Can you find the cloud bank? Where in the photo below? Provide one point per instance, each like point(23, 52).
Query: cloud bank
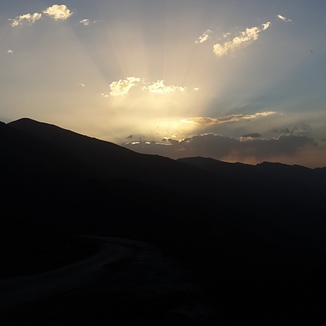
point(252, 147)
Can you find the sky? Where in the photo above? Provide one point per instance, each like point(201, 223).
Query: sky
point(235, 80)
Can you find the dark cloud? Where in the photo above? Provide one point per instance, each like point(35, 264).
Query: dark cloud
point(299, 129)
point(252, 135)
point(173, 141)
point(286, 131)
point(221, 147)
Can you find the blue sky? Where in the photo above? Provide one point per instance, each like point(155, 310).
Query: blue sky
point(234, 80)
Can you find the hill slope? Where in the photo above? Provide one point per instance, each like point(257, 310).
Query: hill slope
point(86, 185)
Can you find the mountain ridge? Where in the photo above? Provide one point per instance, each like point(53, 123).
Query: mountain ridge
point(90, 175)
point(240, 228)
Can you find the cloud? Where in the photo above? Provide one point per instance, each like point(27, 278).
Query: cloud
point(229, 118)
point(297, 130)
point(286, 131)
point(266, 25)
point(29, 18)
point(252, 135)
point(204, 37)
point(123, 86)
point(160, 88)
point(244, 39)
point(85, 22)
point(227, 148)
point(283, 18)
point(58, 12)
point(10, 51)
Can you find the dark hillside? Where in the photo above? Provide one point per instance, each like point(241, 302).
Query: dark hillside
point(242, 229)
point(107, 160)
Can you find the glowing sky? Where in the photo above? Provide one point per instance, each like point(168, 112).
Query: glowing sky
point(237, 80)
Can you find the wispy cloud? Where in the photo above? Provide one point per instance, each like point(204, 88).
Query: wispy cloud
point(10, 51)
point(204, 37)
point(244, 39)
point(229, 118)
point(58, 12)
point(284, 18)
point(88, 22)
point(85, 22)
point(28, 18)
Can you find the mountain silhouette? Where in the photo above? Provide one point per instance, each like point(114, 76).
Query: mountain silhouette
point(85, 174)
point(236, 225)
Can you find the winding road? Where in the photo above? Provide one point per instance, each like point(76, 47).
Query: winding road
point(122, 268)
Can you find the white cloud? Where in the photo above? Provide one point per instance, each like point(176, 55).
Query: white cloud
point(204, 37)
point(10, 51)
point(244, 39)
point(123, 86)
point(160, 88)
point(283, 18)
point(266, 25)
point(85, 22)
point(29, 18)
point(58, 12)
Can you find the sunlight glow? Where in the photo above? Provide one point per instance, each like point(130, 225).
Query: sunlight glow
point(162, 71)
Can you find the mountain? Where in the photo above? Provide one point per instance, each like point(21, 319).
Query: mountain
point(241, 228)
point(106, 160)
point(284, 203)
point(68, 175)
point(84, 185)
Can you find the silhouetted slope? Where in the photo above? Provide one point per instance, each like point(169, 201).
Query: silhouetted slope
point(132, 194)
point(244, 229)
point(284, 205)
point(107, 160)
point(53, 181)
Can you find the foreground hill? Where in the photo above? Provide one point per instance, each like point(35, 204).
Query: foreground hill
point(86, 185)
point(242, 228)
point(109, 161)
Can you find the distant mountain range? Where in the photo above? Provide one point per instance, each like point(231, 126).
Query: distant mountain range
point(78, 184)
